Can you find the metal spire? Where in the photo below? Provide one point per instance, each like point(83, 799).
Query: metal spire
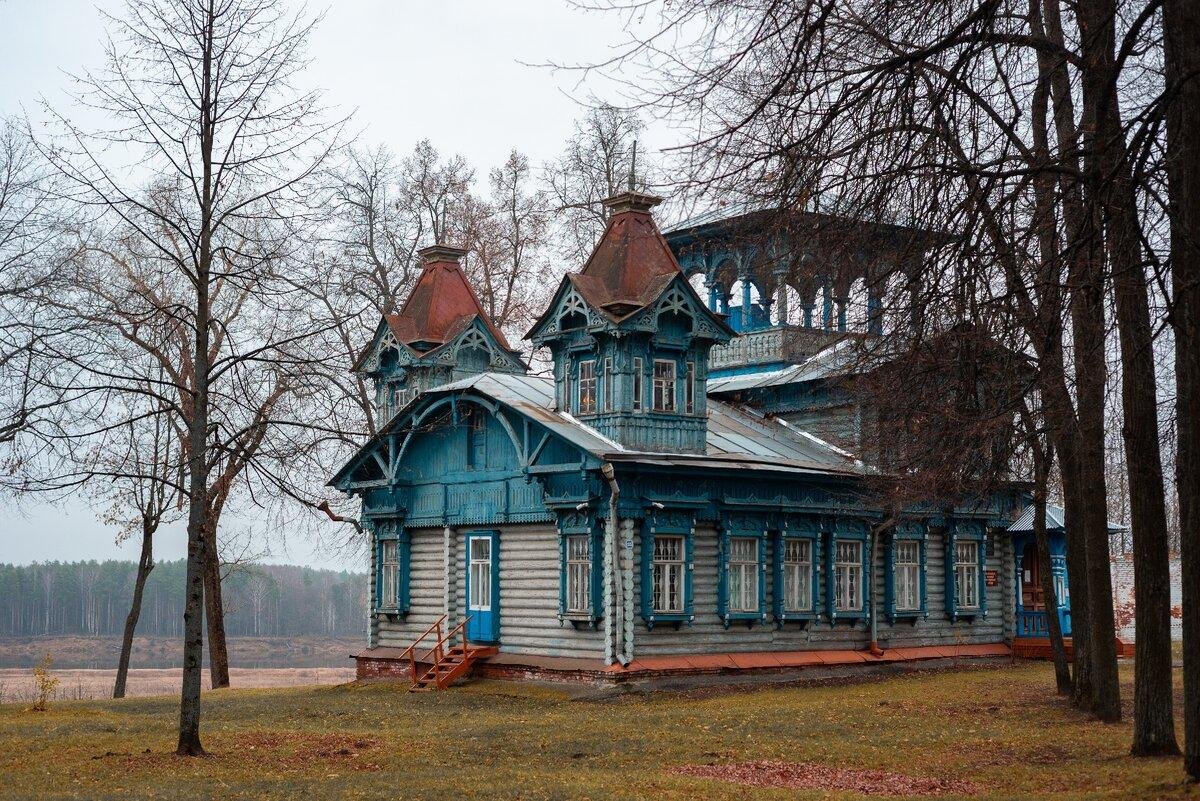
point(632, 166)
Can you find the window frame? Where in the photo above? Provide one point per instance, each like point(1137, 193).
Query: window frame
point(802, 531)
point(609, 404)
point(847, 530)
point(639, 367)
point(391, 532)
point(572, 526)
point(905, 533)
point(666, 384)
point(590, 382)
point(689, 388)
point(748, 530)
point(667, 524)
point(958, 531)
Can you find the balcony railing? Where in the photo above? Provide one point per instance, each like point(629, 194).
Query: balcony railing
point(781, 344)
point(1033, 623)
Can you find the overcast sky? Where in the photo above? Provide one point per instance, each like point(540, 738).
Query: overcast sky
point(449, 71)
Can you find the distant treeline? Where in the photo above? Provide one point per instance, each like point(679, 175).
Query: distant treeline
point(92, 598)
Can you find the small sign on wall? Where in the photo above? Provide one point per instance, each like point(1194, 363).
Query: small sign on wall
point(992, 578)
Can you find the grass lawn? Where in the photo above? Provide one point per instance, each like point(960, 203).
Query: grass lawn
point(1000, 728)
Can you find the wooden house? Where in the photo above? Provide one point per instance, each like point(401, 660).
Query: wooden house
point(639, 511)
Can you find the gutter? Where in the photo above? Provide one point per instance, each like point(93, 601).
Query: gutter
point(615, 581)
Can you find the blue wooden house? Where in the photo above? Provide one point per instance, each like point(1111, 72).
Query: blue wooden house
point(668, 498)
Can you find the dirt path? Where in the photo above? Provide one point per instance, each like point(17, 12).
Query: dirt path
point(16, 684)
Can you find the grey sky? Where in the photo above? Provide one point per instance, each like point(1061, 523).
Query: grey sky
point(408, 69)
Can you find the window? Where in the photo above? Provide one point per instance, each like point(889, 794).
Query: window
point(566, 397)
point(579, 575)
point(797, 575)
point(608, 385)
point(481, 574)
point(690, 389)
point(742, 574)
point(848, 576)
point(587, 387)
point(476, 439)
point(667, 575)
point(907, 575)
point(966, 574)
point(637, 385)
point(664, 385)
point(389, 574)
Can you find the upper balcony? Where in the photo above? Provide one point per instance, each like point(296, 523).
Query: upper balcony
point(778, 345)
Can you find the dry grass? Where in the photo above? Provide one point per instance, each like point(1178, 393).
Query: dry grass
point(995, 729)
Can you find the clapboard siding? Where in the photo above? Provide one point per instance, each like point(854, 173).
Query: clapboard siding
point(529, 591)
point(708, 634)
point(529, 577)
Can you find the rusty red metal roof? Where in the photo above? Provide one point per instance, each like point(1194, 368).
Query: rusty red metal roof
point(441, 304)
point(632, 263)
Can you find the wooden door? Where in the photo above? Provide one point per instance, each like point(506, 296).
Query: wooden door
point(1031, 578)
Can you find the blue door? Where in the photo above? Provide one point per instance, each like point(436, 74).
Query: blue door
point(483, 587)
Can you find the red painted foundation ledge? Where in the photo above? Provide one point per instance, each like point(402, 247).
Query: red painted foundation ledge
point(383, 663)
point(779, 660)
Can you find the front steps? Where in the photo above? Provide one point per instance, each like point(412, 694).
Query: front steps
point(458, 663)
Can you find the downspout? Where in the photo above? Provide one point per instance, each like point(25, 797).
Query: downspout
point(873, 648)
point(889, 520)
point(616, 609)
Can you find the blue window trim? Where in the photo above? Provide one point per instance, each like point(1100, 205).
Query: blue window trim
point(857, 531)
point(906, 531)
point(393, 531)
point(673, 524)
point(595, 534)
point(747, 528)
point(957, 531)
point(799, 530)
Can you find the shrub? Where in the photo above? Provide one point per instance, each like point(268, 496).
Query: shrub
point(46, 684)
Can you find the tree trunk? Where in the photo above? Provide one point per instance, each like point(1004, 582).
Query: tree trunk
point(1062, 668)
point(197, 428)
point(145, 565)
point(1181, 32)
point(214, 612)
point(1081, 685)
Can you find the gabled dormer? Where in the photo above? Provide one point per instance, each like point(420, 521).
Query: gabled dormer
point(630, 338)
point(440, 334)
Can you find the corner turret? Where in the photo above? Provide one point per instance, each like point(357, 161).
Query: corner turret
point(630, 338)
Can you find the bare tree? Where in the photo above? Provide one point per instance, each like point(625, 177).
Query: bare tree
point(203, 90)
point(33, 244)
point(958, 118)
point(1181, 27)
point(507, 239)
point(596, 164)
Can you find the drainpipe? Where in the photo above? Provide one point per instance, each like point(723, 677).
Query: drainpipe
point(616, 609)
point(873, 648)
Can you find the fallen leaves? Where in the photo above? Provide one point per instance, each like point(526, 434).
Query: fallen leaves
point(815, 776)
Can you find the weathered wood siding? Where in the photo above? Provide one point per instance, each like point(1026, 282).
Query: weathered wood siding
point(529, 579)
point(529, 592)
point(708, 634)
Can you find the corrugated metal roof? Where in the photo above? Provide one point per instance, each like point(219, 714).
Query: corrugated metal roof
point(1055, 521)
point(737, 437)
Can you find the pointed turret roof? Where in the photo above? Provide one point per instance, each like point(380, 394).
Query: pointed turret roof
point(632, 263)
point(441, 304)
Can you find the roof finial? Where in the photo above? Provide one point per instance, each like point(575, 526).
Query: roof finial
point(633, 167)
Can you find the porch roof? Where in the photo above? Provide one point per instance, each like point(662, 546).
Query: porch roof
point(1055, 521)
